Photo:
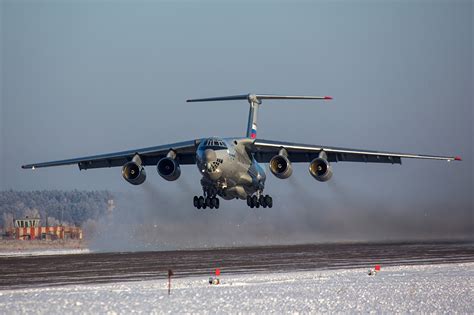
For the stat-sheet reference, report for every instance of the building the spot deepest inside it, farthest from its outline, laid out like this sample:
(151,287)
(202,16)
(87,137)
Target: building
(31,229)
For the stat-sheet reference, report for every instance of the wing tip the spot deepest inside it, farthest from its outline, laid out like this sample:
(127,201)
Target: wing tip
(457,158)
(328,97)
(27,167)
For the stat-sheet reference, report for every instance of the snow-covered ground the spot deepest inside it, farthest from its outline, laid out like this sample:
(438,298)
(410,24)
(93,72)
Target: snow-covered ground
(425,288)
(43,252)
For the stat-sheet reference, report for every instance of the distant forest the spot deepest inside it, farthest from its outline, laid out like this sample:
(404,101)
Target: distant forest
(69,207)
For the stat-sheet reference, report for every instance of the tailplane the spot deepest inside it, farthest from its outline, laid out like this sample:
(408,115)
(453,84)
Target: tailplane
(255,100)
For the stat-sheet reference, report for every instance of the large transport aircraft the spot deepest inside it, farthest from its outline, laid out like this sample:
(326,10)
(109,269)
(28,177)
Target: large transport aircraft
(230,167)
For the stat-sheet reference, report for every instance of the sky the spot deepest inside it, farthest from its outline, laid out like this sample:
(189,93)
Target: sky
(89,77)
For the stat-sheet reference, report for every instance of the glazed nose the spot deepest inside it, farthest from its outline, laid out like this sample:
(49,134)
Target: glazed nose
(211,164)
(209,156)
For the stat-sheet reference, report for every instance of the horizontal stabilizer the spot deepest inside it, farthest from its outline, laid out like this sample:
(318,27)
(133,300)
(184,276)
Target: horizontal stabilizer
(255,100)
(259,97)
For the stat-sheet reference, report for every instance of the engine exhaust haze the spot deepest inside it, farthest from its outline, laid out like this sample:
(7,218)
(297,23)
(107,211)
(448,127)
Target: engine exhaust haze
(161,217)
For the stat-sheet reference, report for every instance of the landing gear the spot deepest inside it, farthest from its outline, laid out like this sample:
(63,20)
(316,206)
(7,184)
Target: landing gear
(207,202)
(256,202)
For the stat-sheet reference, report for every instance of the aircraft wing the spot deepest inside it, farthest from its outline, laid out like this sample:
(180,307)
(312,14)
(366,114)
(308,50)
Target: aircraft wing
(185,154)
(264,150)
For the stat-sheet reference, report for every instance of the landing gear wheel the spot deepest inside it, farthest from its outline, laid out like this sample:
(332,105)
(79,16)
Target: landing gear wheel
(201,203)
(196,201)
(262,202)
(215,203)
(250,202)
(268,201)
(208,202)
(255,202)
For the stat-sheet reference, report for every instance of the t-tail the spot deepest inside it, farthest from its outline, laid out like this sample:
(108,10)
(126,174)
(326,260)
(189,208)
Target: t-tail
(255,100)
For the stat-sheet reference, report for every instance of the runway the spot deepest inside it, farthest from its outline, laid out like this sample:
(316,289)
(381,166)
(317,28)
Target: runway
(40,271)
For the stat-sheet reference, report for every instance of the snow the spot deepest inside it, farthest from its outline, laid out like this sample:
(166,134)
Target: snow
(424,288)
(42,252)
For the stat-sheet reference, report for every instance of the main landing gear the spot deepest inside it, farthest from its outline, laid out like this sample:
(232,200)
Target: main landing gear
(206,202)
(257,201)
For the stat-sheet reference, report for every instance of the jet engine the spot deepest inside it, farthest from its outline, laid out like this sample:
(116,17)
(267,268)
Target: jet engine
(281,166)
(320,169)
(134,173)
(168,168)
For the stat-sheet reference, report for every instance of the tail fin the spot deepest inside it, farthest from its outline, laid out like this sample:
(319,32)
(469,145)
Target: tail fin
(255,100)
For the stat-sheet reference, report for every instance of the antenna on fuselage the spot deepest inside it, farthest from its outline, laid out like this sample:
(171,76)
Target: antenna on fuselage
(255,100)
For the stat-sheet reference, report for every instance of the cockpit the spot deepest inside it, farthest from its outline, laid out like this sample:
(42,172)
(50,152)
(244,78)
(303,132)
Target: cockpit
(214,144)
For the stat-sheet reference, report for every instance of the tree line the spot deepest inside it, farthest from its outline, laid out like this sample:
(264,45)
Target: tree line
(53,206)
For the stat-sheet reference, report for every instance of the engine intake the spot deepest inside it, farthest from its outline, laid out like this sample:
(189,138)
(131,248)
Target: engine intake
(168,168)
(281,167)
(320,169)
(134,173)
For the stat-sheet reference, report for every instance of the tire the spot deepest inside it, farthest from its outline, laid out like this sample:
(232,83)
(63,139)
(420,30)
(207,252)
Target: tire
(201,202)
(262,202)
(255,202)
(268,201)
(208,202)
(215,202)
(195,201)
(250,202)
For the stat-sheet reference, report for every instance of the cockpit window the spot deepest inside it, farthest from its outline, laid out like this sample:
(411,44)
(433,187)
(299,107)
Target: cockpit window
(215,144)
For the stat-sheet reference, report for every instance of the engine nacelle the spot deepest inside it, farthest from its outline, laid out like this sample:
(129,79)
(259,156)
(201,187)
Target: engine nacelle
(168,168)
(320,169)
(280,166)
(134,173)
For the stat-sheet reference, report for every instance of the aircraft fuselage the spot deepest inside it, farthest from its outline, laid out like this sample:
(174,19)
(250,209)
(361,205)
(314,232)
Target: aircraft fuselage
(228,169)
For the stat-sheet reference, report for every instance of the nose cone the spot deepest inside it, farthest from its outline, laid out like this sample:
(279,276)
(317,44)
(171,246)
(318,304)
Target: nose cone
(211,165)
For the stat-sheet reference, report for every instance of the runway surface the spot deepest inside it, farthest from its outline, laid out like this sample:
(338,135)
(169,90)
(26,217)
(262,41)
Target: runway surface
(38,271)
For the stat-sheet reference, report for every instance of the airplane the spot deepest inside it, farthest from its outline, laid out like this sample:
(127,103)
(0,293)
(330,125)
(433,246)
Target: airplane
(230,167)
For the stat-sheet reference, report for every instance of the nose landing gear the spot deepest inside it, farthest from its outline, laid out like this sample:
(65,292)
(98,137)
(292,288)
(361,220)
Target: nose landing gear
(255,201)
(211,202)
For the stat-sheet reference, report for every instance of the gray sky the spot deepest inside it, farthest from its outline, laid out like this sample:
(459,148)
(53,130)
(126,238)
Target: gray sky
(88,77)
